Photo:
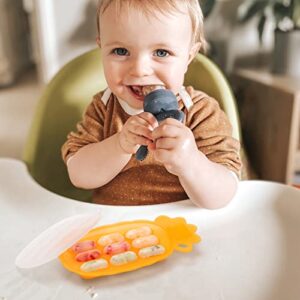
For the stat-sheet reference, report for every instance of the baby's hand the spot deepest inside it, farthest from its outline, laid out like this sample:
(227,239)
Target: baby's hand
(137,131)
(174,146)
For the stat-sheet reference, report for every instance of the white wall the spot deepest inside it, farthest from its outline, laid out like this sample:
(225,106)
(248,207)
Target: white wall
(62,30)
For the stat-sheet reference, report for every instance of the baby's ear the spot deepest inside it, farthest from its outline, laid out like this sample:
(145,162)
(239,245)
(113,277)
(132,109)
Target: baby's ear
(98,41)
(193,51)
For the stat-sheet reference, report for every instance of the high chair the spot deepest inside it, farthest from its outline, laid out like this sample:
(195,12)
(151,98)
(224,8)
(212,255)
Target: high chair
(68,94)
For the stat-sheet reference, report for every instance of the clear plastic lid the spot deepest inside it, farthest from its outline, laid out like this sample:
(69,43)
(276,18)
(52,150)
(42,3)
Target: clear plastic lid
(56,239)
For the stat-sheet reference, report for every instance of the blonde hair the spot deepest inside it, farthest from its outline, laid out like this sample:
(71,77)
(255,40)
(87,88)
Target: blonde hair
(148,6)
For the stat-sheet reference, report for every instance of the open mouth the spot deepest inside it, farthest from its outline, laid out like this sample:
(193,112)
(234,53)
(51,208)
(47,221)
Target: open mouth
(140,91)
(137,90)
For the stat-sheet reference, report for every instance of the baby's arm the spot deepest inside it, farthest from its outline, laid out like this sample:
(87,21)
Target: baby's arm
(96,164)
(208,184)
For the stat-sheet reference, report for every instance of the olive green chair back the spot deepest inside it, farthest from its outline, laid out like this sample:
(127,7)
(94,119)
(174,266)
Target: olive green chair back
(64,100)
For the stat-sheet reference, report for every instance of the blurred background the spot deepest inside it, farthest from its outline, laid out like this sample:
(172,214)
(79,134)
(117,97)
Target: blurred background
(256,43)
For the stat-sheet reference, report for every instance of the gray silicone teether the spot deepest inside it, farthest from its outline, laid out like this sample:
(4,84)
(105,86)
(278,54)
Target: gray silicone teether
(162,104)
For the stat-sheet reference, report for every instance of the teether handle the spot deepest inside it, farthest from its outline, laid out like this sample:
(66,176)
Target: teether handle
(141,153)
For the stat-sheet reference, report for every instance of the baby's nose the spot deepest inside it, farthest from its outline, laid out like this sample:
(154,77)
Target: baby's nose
(141,67)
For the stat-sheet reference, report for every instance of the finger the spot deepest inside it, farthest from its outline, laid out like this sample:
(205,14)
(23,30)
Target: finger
(165,130)
(166,143)
(139,126)
(162,155)
(149,118)
(173,122)
(151,146)
(138,121)
(141,131)
(134,139)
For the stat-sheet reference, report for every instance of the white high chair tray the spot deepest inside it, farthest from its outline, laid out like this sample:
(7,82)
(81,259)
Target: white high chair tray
(249,250)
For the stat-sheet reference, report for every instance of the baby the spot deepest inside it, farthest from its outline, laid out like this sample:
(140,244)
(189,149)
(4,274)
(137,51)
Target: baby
(146,45)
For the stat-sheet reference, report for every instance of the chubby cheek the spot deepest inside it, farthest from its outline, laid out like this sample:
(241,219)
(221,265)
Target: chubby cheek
(174,77)
(113,76)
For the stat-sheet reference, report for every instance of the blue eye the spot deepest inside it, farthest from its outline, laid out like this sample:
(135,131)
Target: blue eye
(120,51)
(161,53)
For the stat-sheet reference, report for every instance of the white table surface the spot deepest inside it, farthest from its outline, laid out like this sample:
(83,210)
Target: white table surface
(250,249)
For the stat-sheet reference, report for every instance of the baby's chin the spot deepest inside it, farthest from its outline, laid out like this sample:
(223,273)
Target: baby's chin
(134,105)
(127,95)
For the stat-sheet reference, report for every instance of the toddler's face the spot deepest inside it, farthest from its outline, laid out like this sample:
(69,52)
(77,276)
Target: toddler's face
(138,51)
